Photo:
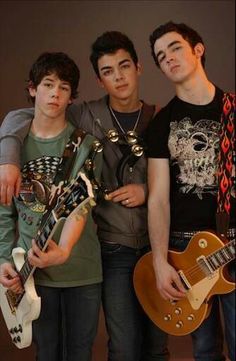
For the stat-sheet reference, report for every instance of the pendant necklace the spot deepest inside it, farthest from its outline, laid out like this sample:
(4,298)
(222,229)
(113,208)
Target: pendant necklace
(118,123)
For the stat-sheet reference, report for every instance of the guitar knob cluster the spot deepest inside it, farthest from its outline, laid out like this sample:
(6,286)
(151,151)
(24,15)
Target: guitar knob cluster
(15,329)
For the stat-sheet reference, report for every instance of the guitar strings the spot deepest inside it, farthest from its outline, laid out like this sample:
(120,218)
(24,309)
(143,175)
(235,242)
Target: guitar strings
(196,273)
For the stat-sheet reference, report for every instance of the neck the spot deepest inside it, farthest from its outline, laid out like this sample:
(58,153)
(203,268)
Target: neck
(125,105)
(198,90)
(47,127)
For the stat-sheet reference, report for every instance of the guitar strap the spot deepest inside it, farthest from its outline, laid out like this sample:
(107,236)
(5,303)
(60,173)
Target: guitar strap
(227,142)
(66,164)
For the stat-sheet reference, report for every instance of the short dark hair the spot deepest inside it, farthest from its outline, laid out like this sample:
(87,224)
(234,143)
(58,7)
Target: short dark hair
(58,63)
(108,43)
(189,34)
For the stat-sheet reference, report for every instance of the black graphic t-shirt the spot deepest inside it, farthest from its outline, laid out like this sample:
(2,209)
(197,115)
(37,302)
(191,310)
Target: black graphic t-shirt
(188,135)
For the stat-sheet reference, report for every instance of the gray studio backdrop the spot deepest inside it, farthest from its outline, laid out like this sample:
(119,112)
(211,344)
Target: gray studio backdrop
(28,28)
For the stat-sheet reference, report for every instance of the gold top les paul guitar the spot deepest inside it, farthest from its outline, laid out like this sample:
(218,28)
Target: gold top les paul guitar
(202,270)
(19,310)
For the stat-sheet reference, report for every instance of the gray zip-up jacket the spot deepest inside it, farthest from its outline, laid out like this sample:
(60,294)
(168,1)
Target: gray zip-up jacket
(116,223)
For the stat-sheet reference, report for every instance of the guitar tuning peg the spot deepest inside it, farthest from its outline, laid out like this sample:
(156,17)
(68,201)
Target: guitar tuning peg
(92,202)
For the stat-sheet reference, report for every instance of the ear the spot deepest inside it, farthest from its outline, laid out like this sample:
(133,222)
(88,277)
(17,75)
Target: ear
(100,82)
(199,50)
(139,68)
(32,90)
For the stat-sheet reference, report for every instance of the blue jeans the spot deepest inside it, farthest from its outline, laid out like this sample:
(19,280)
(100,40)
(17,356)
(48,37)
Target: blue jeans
(67,325)
(208,339)
(132,336)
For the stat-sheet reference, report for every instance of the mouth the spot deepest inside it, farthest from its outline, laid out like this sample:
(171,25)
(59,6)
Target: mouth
(174,68)
(53,105)
(122,87)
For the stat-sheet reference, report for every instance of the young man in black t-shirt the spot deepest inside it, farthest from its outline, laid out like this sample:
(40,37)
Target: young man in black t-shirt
(183,142)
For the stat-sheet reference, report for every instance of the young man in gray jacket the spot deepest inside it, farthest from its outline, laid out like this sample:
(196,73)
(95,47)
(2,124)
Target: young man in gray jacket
(119,120)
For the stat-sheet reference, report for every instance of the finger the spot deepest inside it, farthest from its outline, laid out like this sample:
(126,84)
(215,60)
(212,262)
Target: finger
(17,288)
(9,194)
(17,188)
(178,285)
(118,192)
(36,250)
(9,283)
(120,198)
(3,198)
(173,293)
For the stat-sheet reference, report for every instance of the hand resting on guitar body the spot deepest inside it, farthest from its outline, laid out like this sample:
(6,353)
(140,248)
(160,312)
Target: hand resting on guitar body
(9,278)
(55,254)
(168,281)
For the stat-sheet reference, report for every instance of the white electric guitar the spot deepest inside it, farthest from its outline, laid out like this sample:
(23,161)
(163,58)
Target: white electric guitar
(19,310)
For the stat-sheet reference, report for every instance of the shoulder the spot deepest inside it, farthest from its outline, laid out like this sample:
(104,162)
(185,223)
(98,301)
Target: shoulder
(164,114)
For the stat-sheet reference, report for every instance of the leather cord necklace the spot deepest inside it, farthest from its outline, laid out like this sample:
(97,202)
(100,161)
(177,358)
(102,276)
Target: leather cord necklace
(118,123)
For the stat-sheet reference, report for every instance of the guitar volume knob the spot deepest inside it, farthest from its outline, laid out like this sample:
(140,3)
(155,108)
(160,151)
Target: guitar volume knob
(179,324)
(178,311)
(167,317)
(190,317)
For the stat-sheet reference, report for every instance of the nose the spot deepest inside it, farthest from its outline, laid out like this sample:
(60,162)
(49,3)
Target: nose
(169,58)
(55,92)
(118,74)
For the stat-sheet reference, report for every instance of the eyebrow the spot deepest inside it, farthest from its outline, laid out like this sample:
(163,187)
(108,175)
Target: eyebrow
(168,46)
(65,82)
(120,63)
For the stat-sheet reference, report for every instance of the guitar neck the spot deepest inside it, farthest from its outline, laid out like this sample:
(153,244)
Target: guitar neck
(217,259)
(47,224)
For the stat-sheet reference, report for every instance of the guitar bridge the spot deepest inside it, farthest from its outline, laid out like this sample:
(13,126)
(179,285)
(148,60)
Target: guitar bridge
(184,280)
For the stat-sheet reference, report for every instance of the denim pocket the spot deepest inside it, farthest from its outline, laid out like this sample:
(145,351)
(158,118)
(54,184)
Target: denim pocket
(107,247)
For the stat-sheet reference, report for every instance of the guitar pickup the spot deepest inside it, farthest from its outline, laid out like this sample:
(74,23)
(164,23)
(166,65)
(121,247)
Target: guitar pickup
(205,266)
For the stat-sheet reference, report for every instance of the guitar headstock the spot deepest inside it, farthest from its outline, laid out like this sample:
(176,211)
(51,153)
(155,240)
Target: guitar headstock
(74,195)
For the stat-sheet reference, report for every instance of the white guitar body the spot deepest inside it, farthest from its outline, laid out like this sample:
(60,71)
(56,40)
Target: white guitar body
(19,319)
(20,310)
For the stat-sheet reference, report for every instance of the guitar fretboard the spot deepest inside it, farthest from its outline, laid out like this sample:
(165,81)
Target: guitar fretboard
(222,256)
(41,241)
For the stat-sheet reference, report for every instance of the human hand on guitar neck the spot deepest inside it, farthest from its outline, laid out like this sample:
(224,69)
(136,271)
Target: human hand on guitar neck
(56,254)
(168,281)
(10,180)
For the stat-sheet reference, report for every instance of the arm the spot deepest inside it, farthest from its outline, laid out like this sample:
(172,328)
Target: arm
(56,254)
(14,129)
(8,275)
(167,279)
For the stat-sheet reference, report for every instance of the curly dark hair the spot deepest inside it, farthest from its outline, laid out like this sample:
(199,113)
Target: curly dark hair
(58,63)
(189,34)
